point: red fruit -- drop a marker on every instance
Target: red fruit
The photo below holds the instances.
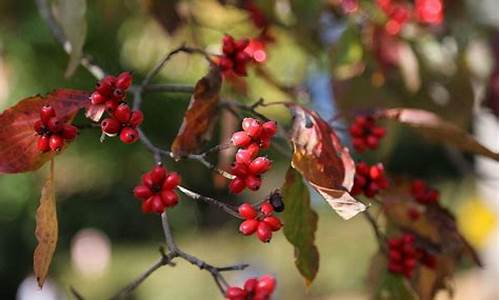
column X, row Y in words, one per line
column 394, row 243
column 376, row 172
column 142, row 192
column 241, row 139
column 123, row 80
column 237, row 185
column 433, row 196
column 247, row 122
column 118, row 95
column 240, row 45
column 362, row 168
column 97, row 98
column 253, row 150
column 264, row 233
column 247, row 211
column 266, row 284
column 157, row 204
column 249, row 226
column 147, row 206
column 239, row 170
column 39, row 127
column 158, row 174
column 254, row 129
column 122, row 113
column 379, row 132
column 235, row 293
column 129, row 135
column 356, row 130
column 395, row 268
column 46, row 113
column 106, row 85
column 171, row 181
column 69, row 132
column 410, row 263
column 242, row 58
column 169, row 198
column 266, row 209
column 43, row 143
column 273, row 222
column 227, row 44
column 253, row 182
column 359, row 144
column 371, row 142
column 225, row 64
column 408, row 238
column 110, row 126
column 265, row 143
column 250, row 285
column 56, row 142
column 54, row 125
column 111, row 106
column 259, row 165
column 136, row 118
column 244, row 156
column 269, row 129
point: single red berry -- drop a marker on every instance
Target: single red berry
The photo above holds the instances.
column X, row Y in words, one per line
column 56, row 142
column 259, row 165
column 376, row 172
column 247, row 211
column 395, row 256
column 118, row 95
column 122, row 113
column 106, row 85
column 359, row 144
column 241, row 139
column 242, row 58
column 247, row 122
column 249, row 226
column 266, row 284
column 129, row 135
column 69, row 132
column 147, row 205
column 142, row 192
column 264, row 232
column 96, row 98
column 157, row 205
column 225, row 64
column 253, row 182
column 46, row 113
column 110, row 126
column 43, row 143
column 111, row 106
column 39, row 127
column 379, row 132
column 266, row 209
column 254, row 129
column 171, row 181
column 241, row 44
column 244, row 156
column 158, row 174
column 169, row 198
column 237, row 185
column 269, row 128
column 227, row 44
column 123, row 80
column 250, row 285
column 273, row 222
column 239, row 170
column 136, row 118
column 362, row 168
column 235, row 293
column 54, row 125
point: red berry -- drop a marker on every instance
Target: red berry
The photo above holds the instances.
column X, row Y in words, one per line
column 253, row 182
column 157, row 205
column 158, row 174
column 54, row 125
column 69, row 132
column 118, row 95
column 249, row 226
column 227, row 44
column 123, row 80
column 259, row 165
column 359, row 144
column 241, row 139
column 269, row 128
column 247, row 122
column 46, row 113
column 264, row 233
column 171, row 181
column 237, row 185
column 235, row 293
column 242, row 58
column 362, row 168
column 247, row 211
column 56, row 142
column 250, row 285
column 413, row 214
column 110, row 126
column 136, row 118
column 273, row 222
column 39, row 127
column 378, row 132
column 266, row 284
column 122, row 113
column 254, row 129
column 129, row 135
column 225, row 64
column 43, row 143
column 244, row 156
column 376, row 172
column 169, row 198
column 147, row 205
column 142, row 192
column 266, row 209
column 106, row 85
column 239, row 170
column 97, row 98
column 240, row 45
column 111, row 106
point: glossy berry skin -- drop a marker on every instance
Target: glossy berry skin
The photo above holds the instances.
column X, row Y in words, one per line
column 253, row 289
column 47, row 112
column 110, row 126
column 43, row 143
column 123, row 81
column 262, row 224
column 273, row 222
column 247, row 211
column 241, row 139
column 264, row 232
column 365, row 134
column 402, row 255
column 259, row 165
column 129, row 135
column 156, row 190
column 52, row 131
column 248, row 227
column 369, row 180
column 56, row 142
column 122, row 113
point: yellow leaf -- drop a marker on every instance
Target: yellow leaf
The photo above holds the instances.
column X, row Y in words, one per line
column 46, row 229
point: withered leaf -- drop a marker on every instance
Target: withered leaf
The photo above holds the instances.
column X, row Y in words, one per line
column 18, row 151
column 323, row 161
column 433, row 127
column 46, row 229
column 199, row 117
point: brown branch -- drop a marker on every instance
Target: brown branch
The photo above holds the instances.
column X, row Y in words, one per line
column 228, row 209
column 378, row 233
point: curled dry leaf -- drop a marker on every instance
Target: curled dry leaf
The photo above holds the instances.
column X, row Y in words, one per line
column 300, row 224
column 199, row 117
column 18, row 151
column 323, row 161
column 46, row 229
column 432, row 126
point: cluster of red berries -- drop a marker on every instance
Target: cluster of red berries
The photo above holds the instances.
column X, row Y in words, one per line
column 248, row 168
column 402, row 255
column 52, row 131
column 263, row 223
column 156, row 190
column 422, row 193
column 234, row 58
column 429, row 11
column 365, row 133
column 369, row 180
column 254, row 289
column 111, row 92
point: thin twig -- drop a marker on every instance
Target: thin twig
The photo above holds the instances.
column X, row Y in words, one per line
column 380, row 236
column 228, row 209
column 76, row 294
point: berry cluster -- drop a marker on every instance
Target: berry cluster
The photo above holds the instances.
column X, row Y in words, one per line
column 156, row 190
column 111, row 92
column 365, row 133
column 423, row 193
column 52, row 131
column 429, row 11
column 264, row 223
column 254, row 289
column 402, row 255
column 248, row 168
column 234, row 59
column 369, row 179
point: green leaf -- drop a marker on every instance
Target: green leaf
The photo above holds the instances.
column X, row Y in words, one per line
column 71, row 16
column 394, row 287
column 348, row 54
column 300, row 223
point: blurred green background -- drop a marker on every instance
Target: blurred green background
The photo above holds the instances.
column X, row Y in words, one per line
column 95, row 180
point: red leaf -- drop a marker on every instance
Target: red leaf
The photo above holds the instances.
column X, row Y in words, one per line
column 18, row 151
column 323, row 161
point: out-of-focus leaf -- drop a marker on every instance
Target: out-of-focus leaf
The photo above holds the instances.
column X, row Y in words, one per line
column 18, row 151
column 323, row 161
column 71, row 16
column 200, row 114
column 348, row 54
column 165, row 13
column 46, row 229
column 432, row 126
column 408, row 65
column 300, row 223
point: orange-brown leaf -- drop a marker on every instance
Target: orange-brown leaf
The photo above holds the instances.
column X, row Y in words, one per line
column 200, row 114
column 323, row 161
column 46, row 229
column 432, row 126
column 18, row 151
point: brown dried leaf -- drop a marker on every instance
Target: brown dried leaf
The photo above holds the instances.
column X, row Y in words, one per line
column 432, row 126
column 200, row 114
column 323, row 161
column 46, row 229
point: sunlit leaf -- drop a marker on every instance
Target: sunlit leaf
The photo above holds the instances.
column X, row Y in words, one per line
column 300, row 223
column 46, row 229
column 432, row 126
column 18, row 151
column 199, row 117
column 323, row 161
